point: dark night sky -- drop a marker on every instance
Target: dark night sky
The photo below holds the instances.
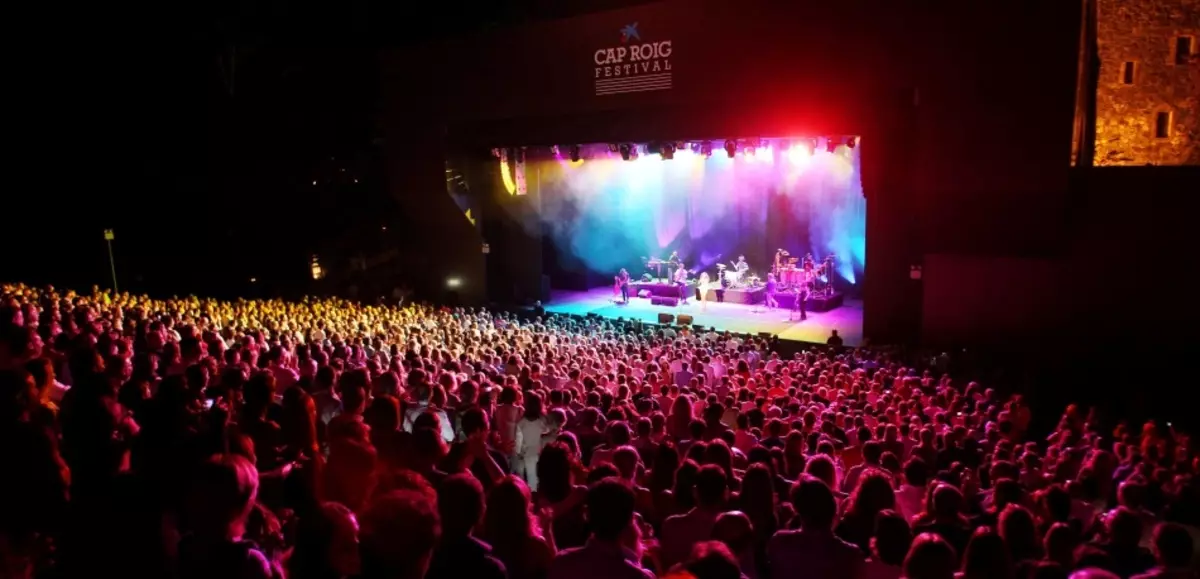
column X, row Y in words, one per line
column 130, row 118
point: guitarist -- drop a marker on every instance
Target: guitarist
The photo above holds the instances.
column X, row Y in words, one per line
column 622, row 285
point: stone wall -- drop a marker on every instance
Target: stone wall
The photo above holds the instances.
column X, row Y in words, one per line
column 1144, row 32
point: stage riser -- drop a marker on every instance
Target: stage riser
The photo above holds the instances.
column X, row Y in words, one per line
column 656, row 289
column 737, row 296
column 814, row 303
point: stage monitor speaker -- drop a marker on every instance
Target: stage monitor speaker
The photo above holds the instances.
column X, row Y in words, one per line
column 685, row 320
column 664, row 301
column 665, row 318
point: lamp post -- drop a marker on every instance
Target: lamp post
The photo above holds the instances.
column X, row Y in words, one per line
column 112, row 264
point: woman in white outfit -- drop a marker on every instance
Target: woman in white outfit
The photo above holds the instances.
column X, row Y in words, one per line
column 530, row 432
column 507, row 414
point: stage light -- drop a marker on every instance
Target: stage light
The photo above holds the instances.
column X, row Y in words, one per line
column 453, row 282
column 812, row 147
column 574, row 153
column 626, row 151
column 667, row 151
column 830, row 144
column 612, row 147
column 730, row 147
column 799, row 154
column 748, row 150
column 851, row 141
column 706, row 149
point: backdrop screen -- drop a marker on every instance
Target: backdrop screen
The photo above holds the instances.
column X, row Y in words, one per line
column 601, row 212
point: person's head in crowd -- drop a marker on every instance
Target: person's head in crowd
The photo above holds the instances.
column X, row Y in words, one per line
column 223, row 491
column 1174, row 546
column 892, row 538
column 930, row 557
column 712, row 560
column 1060, row 543
column 610, row 508
column 627, row 461
column 1094, row 573
column 398, row 533
column 872, row 494
column 461, row 505
column 712, row 487
column 823, row 468
column 603, row 471
column 1019, row 530
column 915, row 472
column 326, row 544
column 986, row 557
column 816, row 507
column 507, row 520
column 1124, row 527
column 737, row 532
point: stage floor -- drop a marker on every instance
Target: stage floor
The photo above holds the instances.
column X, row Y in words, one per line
column 847, row 320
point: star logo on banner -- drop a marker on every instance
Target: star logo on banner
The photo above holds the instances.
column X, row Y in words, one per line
column 630, row 32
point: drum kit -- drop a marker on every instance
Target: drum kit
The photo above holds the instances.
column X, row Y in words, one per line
column 734, row 279
column 806, row 274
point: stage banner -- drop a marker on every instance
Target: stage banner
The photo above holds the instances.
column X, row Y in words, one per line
column 632, row 63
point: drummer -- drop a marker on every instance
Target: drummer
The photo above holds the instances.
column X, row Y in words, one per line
column 741, row 266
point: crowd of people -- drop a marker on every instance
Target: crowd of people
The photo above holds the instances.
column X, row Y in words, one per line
column 325, row 439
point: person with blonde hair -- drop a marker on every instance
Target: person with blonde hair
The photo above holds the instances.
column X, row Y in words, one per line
column 702, row 290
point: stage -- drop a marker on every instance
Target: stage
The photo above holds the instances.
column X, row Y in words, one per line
column 733, row 317
column 817, row 301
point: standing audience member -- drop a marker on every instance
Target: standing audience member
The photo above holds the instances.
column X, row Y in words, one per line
column 461, row 508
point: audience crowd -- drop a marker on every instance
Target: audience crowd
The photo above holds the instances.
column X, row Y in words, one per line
column 325, row 439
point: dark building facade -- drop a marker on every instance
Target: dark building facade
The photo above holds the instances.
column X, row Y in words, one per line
column 1148, row 88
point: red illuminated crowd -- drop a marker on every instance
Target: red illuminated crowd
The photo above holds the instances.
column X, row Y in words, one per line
column 325, row 439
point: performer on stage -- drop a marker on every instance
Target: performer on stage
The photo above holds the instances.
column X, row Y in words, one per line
column 681, row 281
column 800, row 304
column 741, row 266
column 702, row 291
column 623, row 283
column 771, row 287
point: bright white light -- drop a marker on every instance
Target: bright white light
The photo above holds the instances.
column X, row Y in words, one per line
column 453, row 282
